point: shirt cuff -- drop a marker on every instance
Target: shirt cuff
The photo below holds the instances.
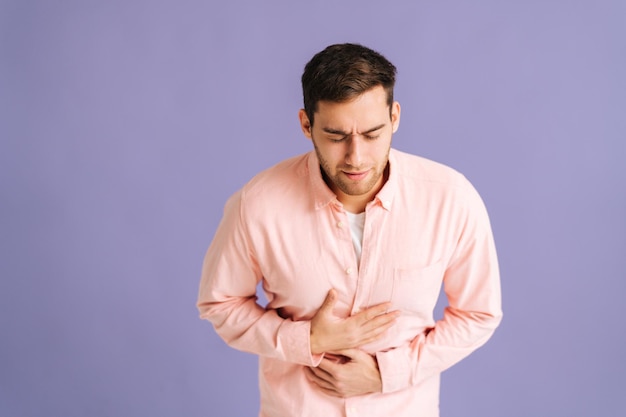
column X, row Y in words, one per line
column 294, row 341
column 395, row 369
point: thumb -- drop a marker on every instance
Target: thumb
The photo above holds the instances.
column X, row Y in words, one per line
column 354, row 355
column 329, row 301
column 349, row 353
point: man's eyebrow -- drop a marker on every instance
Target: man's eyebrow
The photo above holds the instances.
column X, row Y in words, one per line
column 342, row 133
column 334, row 131
column 374, row 129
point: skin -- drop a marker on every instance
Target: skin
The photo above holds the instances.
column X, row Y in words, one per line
column 352, row 373
column 345, row 370
column 352, row 140
column 330, row 333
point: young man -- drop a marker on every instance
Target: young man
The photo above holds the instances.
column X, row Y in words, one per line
column 352, row 243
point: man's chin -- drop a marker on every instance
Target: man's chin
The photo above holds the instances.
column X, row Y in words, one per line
column 355, row 191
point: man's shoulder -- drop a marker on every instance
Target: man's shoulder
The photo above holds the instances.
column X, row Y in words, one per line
column 418, row 168
column 279, row 178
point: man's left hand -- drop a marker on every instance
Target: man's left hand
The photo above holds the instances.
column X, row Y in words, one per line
column 346, row 373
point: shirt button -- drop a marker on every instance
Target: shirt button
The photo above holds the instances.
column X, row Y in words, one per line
column 348, row 271
column 340, row 224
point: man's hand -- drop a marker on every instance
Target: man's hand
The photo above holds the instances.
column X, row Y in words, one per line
column 330, row 333
column 353, row 372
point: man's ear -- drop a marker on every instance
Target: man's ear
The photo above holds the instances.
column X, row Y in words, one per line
column 305, row 124
column 395, row 116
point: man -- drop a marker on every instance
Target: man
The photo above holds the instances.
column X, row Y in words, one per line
column 352, row 243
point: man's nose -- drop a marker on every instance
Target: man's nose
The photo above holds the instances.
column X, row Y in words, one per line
column 354, row 153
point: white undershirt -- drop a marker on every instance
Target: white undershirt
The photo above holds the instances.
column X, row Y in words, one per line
column 357, row 222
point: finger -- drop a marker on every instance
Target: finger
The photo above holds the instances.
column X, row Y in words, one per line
column 383, row 320
column 332, row 392
column 327, row 386
column 375, row 326
column 372, row 335
column 327, row 365
column 364, row 332
column 355, row 354
column 377, row 332
column 329, row 301
column 320, row 377
column 374, row 311
column 348, row 353
column 337, row 358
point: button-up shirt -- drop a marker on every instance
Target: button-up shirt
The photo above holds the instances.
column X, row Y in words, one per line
column 425, row 230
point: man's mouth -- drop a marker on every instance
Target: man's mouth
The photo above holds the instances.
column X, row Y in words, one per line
column 356, row 176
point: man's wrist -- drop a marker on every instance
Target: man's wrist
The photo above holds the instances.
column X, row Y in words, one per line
column 313, row 340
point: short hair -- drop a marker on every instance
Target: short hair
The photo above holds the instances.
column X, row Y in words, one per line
column 342, row 72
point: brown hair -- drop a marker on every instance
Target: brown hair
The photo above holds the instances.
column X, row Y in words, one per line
column 342, row 72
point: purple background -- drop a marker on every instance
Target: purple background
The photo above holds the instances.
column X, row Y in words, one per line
column 125, row 125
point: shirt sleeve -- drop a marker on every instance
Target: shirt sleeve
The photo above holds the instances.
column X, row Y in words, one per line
column 227, row 297
column 472, row 285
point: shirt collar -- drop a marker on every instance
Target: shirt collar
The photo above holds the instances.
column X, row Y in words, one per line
column 386, row 194
column 322, row 195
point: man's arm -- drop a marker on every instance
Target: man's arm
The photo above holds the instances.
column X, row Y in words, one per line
column 227, row 298
column 472, row 285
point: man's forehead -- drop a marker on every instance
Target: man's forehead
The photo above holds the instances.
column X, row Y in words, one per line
column 336, row 118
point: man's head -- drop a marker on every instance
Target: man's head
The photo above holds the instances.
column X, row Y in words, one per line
column 349, row 90
column 342, row 72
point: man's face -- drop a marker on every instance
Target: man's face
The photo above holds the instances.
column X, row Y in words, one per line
column 352, row 141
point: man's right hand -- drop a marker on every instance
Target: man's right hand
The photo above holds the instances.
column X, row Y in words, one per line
column 330, row 333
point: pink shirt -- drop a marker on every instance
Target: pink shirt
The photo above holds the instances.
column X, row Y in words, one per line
column 286, row 229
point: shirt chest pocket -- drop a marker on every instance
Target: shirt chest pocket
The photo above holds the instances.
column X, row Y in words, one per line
column 416, row 290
